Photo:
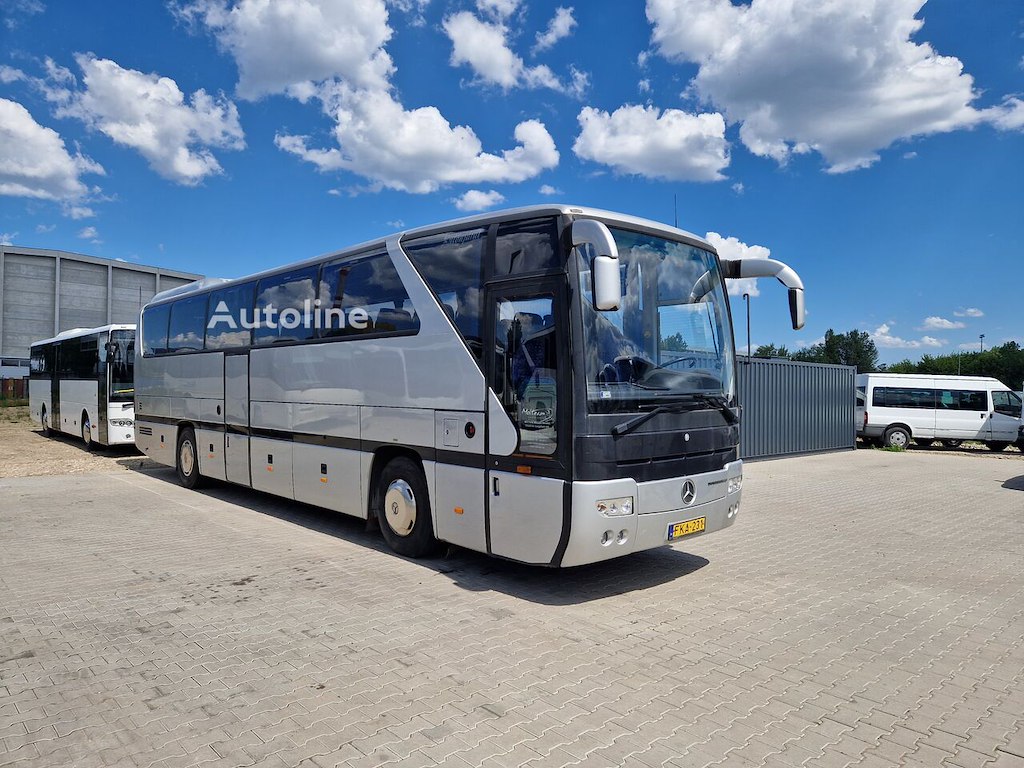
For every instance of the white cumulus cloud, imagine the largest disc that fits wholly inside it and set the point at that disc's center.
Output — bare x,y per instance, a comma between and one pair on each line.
884,338
34,161
840,77
936,323
671,145
560,27
483,47
732,248
286,45
151,115
970,312
418,150
547,190
478,200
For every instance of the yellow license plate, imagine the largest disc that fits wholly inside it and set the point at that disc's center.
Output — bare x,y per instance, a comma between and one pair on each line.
685,528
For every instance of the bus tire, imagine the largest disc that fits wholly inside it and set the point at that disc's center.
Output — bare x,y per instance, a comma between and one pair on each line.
44,419
402,506
952,443
186,461
998,445
87,432
896,437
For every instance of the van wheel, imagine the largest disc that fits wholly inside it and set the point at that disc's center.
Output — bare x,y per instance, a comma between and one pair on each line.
402,506
87,432
896,437
952,443
44,417
187,461
998,445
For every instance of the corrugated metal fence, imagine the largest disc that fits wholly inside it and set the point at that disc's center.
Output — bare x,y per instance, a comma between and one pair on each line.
791,408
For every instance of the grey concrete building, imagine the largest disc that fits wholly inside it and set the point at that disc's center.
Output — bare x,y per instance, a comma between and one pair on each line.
44,292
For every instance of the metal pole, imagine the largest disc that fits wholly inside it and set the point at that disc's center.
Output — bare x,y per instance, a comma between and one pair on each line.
981,341
746,298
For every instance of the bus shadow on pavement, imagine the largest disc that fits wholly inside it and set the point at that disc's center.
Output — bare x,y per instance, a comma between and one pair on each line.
1015,483
468,570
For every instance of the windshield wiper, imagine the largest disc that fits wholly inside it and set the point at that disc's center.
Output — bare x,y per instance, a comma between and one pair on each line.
678,407
716,401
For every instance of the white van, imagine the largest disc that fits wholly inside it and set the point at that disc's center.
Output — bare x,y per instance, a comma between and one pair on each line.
898,408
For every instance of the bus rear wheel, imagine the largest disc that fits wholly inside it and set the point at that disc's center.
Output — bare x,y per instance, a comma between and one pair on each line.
187,459
402,507
998,445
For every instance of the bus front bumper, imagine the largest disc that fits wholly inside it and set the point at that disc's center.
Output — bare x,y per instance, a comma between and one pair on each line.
660,514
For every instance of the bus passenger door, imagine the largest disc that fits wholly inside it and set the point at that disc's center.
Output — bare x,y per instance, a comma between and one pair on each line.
528,419
236,418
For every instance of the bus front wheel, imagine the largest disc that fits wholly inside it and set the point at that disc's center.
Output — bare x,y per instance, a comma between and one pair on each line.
187,463
402,506
998,445
87,432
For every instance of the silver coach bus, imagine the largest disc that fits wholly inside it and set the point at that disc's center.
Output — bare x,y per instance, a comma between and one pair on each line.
553,385
81,383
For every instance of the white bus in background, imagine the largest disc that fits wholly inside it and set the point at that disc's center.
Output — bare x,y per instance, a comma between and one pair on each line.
81,382
498,382
899,408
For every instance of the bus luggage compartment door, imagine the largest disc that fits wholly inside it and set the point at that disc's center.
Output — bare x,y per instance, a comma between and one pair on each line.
236,418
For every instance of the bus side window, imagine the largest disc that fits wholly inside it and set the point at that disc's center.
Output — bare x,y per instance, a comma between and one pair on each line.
154,330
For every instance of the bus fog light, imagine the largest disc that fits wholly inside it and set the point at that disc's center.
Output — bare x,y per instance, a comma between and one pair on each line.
607,538
733,511
735,484
616,507
623,536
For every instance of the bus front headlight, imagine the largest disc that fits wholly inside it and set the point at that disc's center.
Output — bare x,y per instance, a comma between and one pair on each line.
616,507
735,484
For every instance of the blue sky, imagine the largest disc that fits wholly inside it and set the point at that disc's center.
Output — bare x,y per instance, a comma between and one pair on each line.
875,145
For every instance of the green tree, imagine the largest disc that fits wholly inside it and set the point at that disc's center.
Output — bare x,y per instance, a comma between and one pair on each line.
854,348
770,350
674,343
1005,363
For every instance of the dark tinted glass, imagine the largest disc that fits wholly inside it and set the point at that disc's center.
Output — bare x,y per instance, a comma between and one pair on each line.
284,304
364,296
527,246
1006,403
962,400
903,397
188,324
451,264
79,358
229,313
154,330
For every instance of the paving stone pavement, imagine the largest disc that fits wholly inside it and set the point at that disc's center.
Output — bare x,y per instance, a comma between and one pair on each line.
866,610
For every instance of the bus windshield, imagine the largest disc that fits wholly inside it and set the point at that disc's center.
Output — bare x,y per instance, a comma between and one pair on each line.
121,363
671,337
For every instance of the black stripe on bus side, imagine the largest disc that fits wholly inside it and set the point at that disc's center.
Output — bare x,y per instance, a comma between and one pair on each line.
563,542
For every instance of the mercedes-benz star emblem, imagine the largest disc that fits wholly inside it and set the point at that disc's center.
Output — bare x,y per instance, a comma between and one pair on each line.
689,492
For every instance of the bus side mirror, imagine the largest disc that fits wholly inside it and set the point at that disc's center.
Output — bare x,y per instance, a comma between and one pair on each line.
738,268
604,269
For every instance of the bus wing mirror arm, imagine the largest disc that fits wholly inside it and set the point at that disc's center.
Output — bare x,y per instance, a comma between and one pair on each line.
604,270
739,268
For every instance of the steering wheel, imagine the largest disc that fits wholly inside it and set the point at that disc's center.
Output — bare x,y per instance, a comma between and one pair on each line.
691,362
